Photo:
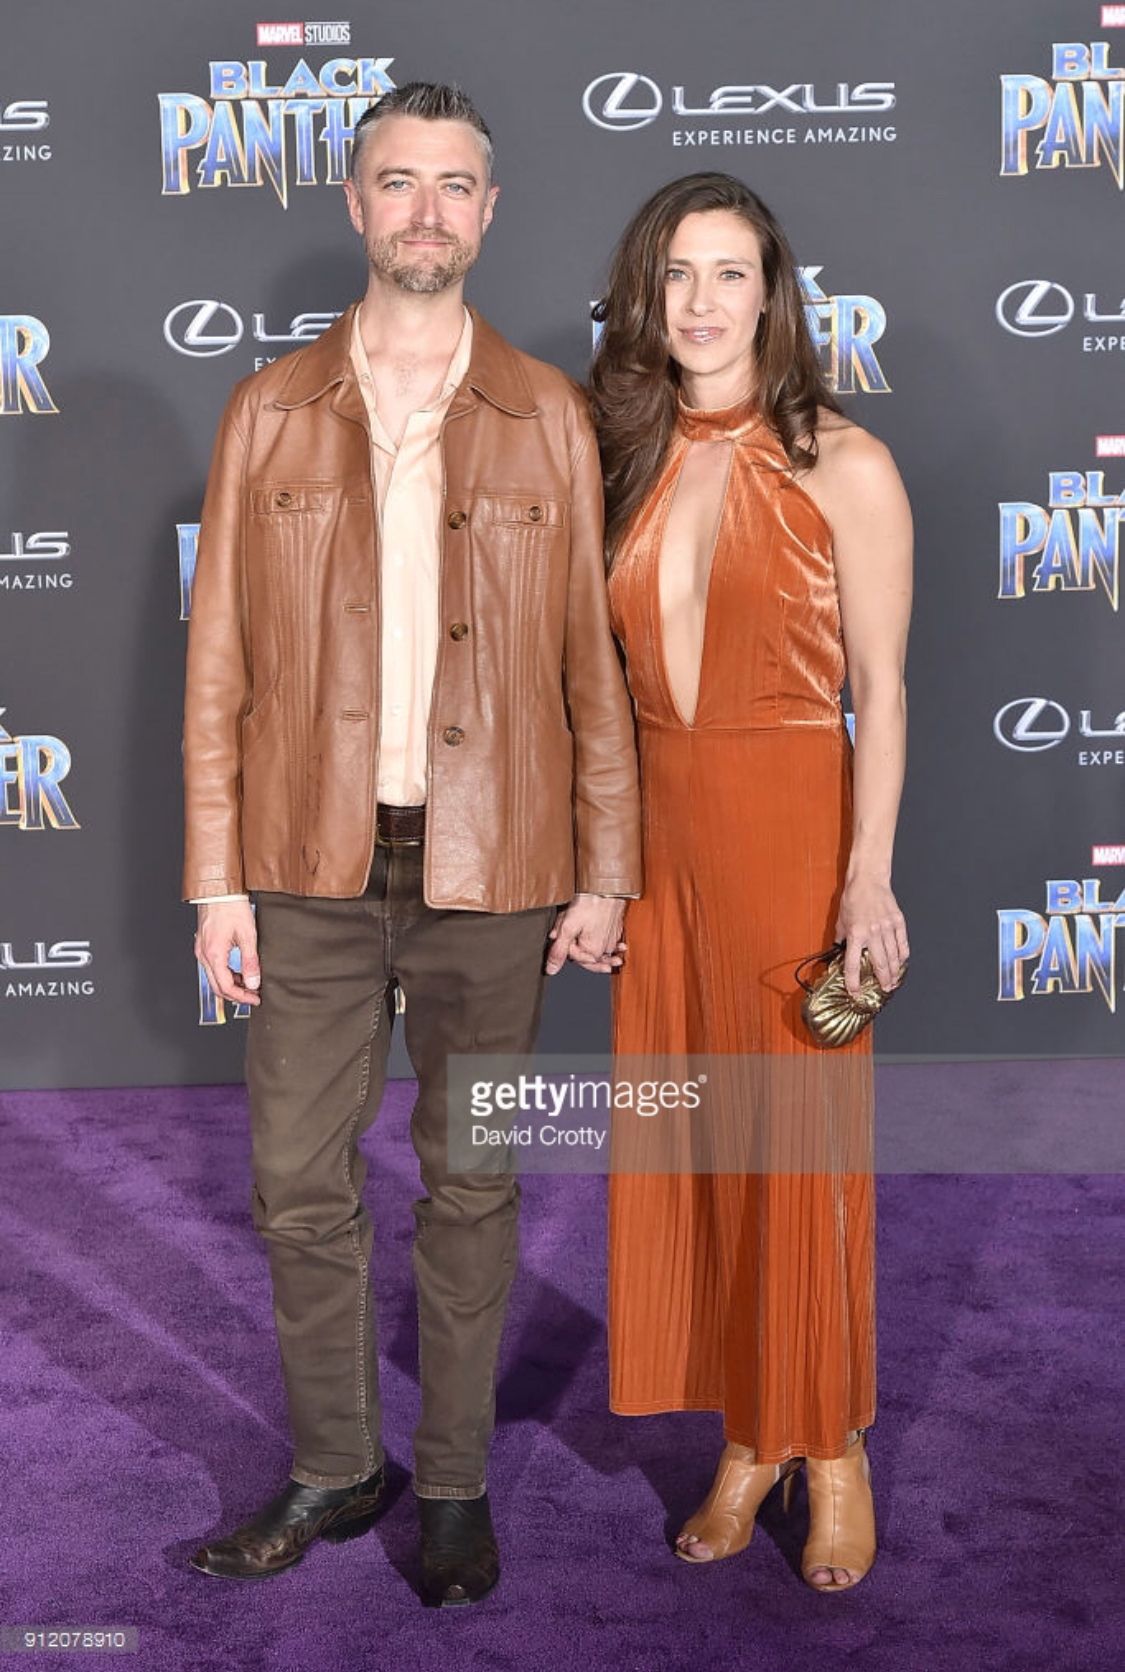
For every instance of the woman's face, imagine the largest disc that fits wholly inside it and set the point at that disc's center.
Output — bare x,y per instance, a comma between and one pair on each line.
714,295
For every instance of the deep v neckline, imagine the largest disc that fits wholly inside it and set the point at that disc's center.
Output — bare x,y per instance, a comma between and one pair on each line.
661,538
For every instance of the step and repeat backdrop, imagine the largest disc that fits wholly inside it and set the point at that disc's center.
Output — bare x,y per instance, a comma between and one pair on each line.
952,180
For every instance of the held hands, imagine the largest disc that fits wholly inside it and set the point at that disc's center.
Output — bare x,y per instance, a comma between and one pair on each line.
589,931
870,917
224,925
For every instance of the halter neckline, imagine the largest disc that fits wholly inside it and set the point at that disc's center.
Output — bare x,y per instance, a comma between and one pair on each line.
725,423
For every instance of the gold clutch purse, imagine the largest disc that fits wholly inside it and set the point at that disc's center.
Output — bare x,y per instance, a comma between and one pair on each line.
833,1015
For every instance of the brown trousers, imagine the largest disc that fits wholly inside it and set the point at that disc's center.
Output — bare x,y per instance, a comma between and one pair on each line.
316,1067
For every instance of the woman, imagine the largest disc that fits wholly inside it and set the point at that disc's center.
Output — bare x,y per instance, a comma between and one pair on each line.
760,549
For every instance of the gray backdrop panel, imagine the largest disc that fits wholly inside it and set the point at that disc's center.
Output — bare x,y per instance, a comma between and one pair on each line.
907,206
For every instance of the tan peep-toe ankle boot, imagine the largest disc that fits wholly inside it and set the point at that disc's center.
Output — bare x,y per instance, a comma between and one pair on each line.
841,1517
724,1521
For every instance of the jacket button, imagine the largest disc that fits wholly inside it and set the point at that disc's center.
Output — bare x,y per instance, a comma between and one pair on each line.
457,519
283,498
459,630
535,512
453,735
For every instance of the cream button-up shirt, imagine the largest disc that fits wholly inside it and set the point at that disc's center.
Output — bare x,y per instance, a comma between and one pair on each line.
408,500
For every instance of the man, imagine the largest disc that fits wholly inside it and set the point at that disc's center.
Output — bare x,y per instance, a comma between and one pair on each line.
407,733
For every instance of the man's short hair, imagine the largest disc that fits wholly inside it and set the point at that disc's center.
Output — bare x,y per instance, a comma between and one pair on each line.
433,101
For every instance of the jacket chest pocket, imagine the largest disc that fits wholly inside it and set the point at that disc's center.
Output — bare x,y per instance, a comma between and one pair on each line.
288,534
511,583
524,513
515,540
287,528
288,499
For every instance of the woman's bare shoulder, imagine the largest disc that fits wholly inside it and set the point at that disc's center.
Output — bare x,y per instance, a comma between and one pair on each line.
853,468
842,444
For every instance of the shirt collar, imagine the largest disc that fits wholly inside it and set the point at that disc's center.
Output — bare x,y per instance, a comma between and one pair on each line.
496,372
454,377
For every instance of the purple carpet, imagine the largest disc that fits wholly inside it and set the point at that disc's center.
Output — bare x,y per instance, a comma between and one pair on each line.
142,1412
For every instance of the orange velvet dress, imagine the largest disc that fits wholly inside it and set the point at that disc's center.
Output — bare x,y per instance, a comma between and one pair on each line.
748,1292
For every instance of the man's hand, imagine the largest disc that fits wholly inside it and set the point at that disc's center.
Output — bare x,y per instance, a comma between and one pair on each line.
589,931
224,925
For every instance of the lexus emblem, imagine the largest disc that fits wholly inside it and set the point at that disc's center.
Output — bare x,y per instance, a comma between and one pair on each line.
203,329
1029,724
1034,308
604,101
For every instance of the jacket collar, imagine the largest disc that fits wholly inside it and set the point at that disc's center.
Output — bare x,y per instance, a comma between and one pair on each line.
495,372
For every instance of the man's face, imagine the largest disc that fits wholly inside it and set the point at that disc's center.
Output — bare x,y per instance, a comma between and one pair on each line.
421,201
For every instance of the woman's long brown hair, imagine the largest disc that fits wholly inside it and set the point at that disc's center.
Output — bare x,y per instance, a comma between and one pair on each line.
635,384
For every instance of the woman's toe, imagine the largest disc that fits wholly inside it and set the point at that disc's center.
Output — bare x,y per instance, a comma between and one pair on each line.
690,1546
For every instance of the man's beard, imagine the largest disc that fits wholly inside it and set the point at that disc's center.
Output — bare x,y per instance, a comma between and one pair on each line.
425,275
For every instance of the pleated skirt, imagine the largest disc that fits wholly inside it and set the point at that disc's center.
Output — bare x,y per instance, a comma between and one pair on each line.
748,1289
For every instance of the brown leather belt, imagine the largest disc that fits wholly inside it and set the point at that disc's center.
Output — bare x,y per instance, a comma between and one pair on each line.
399,827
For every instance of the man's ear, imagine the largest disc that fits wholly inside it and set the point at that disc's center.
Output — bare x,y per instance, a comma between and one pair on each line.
489,207
355,205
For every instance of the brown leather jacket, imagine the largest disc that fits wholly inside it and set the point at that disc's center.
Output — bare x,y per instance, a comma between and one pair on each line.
532,776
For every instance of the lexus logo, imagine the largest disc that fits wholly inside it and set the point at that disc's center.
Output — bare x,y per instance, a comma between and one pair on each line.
604,101
1034,308
203,328
209,328
1030,724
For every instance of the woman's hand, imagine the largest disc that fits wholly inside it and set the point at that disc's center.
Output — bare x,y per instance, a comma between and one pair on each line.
589,932
870,917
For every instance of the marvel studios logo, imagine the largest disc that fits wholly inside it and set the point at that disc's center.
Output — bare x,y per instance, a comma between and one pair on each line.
1113,17
1113,854
304,34
1110,446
